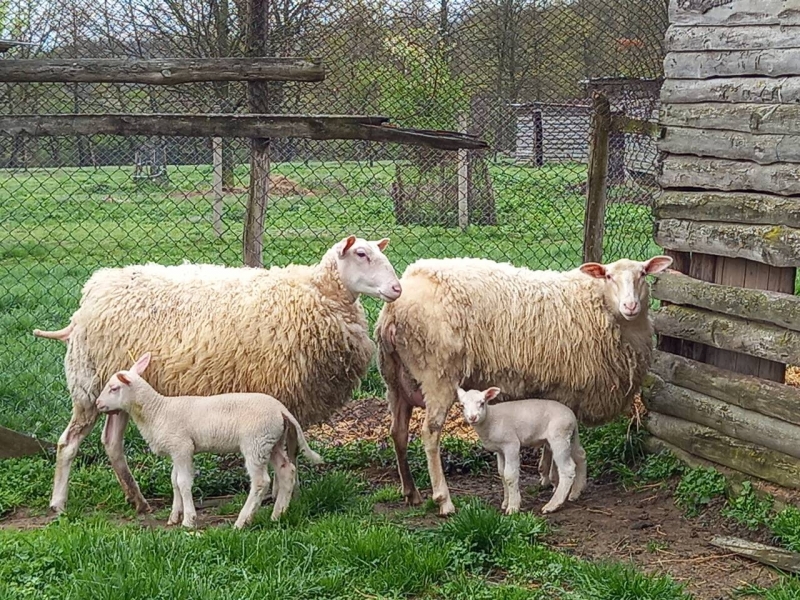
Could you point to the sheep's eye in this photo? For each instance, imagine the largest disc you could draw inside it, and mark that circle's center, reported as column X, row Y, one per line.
column 609, row 277
column 361, row 253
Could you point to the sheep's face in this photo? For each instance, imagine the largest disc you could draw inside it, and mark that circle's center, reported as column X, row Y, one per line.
column 473, row 403
column 118, row 395
column 626, row 288
column 364, row 269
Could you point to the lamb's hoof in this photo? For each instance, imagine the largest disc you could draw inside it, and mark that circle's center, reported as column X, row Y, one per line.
column 544, row 482
column 511, row 510
column 143, row 508
column 190, row 523
column 241, row 524
column 414, row 498
column 549, row 508
column 446, row 508
column 504, row 505
column 57, row 509
column 174, row 519
column 574, row 496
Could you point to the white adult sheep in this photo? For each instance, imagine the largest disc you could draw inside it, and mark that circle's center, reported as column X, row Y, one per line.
column 298, row 333
column 181, row 426
column 582, row 337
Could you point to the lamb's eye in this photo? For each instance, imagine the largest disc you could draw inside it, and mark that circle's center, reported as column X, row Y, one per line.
column 609, row 277
column 361, row 253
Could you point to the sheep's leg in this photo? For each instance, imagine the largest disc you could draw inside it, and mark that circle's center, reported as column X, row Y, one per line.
column 113, row 441
column 436, row 406
column 84, row 416
column 285, row 472
column 177, row 502
column 259, row 482
column 511, row 477
column 401, row 415
column 562, row 457
column 579, row 456
column 184, row 464
column 501, row 468
column 545, row 466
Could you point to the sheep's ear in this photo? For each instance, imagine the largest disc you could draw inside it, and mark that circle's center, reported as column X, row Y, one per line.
column 657, row 264
column 346, row 244
column 383, row 243
column 491, row 393
column 593, row 269
column 123, row 378
column 140, row 365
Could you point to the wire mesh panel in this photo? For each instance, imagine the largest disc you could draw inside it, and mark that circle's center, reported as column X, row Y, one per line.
column 516, row 72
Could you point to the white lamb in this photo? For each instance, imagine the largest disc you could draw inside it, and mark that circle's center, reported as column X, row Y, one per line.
column 506, row 427
column 582, row 337
column 297, row 332
column 181, row 426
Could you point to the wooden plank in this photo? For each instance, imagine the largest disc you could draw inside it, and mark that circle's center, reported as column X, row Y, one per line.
column 680, row 263
column 315, row 127
column 729, row 175
column 729, row 207
column 779, row 558
column 731, row 271
column 752, row 37
column 778, row 119
column 734, row 12
column 594, row 217
column 761, row 90
column 756, row 277
column 722, row 449
column 729, row 419
column 729, row 333
column 702, row 267
column 734, row 63
column 624, row 124
column 757, row 304
column 161, row 71
column 15, row 445
column 734, row 145
column 775, row 245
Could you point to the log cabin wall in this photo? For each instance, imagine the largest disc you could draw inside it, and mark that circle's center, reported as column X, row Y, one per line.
column 729, row 214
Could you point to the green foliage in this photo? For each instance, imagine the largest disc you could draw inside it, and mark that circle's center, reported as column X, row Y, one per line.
column 610, row 451
column 786, row 527
column 748, row 508
column 698, row 488
column 659, row 467
column 612, row 581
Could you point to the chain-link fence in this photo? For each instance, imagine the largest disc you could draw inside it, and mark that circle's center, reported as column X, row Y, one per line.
column 518, row 73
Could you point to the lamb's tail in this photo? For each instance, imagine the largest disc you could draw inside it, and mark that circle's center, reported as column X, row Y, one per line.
column 313, row 457
column 61, row 334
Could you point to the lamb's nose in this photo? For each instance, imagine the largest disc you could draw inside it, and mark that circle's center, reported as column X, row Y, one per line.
column 397, row 289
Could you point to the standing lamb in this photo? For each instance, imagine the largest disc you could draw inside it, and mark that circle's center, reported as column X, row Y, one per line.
column 297, row 332
column 582, row 337
column 181, row 426
column 506, row 427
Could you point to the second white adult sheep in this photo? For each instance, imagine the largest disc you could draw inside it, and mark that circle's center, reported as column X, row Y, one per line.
column 181, row 426
column 582, row 337
column 297, row 332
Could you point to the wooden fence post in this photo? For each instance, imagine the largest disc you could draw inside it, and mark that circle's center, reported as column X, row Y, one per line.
column 594, row 219
column 216, row 185
column 463, row 178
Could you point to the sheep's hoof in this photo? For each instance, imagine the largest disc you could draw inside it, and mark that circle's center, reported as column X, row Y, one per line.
column 57, row 509
column 414, row 498
column 446, row 508
column 143, row 508
column 510, row 510
column 174, row 519
column 190, row 523
column 574, row 496
column 548, row 508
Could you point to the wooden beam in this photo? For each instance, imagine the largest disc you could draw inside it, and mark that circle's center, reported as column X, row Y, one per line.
column 729, row 419
column 625, row 124
column 729, row 333
column 734, row 145
column 15, row 445
column 778, row 309
column 722, row 449
column 734, row 63
column 732, row 13
column 161, row 71
column 778, row 119
column 594, row 217
column 706, row 38
column 729, row 175
column 780, row 558
column 316, row 127
column 775, row 245
column 728, row 207
column 763, row 90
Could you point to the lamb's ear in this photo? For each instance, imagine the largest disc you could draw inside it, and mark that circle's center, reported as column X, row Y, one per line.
column 593, row 269
column 140, row 365
column 123, row 378
column 657, row 264
column 491, row 393
column 460, row 393
column 346, row 243
column 383, row 243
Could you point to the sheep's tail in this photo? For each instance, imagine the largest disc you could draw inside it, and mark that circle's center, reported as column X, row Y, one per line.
column 61, row 334
column 313, row 457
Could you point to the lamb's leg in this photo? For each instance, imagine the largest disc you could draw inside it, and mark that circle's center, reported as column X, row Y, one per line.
column 285, row 472
column 562, row 457
column 501, row 468
column 401, row 415
column 113, row 441
column 579, row 456
column 177, row 502
column 545, row 464
column 184, row 464
column 511, row 477
column 437, row 402
column 259, row 481
column 84, row 416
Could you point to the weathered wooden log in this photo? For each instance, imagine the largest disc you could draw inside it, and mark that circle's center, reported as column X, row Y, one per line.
column 729, row 207
column 732, row 420
column 764, row 90
column 779, row 558
column 594, row 218
column 161, row 71
column 15, row 445
column 733, row 13
column 728, row 175
column 775, row 245
column 733, row 63
column 778, row 119
column 753, row 393
column 729, row 333
column 734, row 145
column 315, row 127
column 754, row 37
column 625, row 124
column 756, row 305
column 722, row 449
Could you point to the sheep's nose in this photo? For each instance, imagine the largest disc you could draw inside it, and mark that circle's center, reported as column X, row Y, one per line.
column 397, row 289
column 631, row 306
